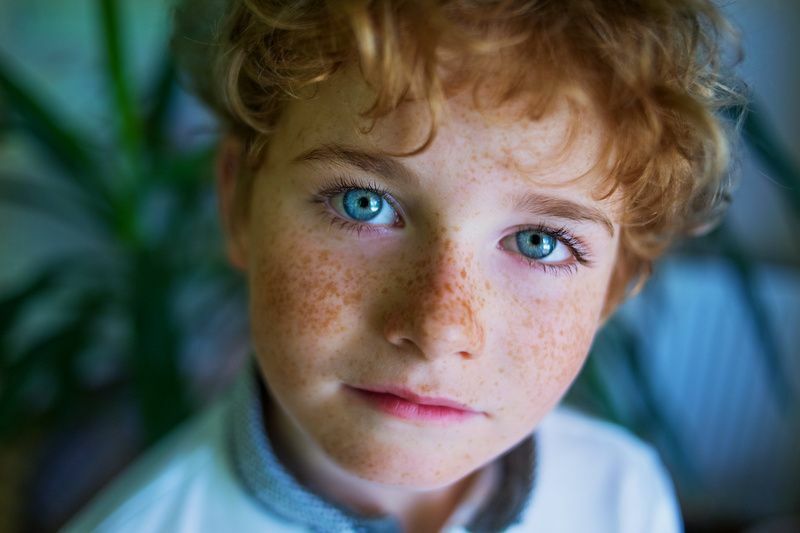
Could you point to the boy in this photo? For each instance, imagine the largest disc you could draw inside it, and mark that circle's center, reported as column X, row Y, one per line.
column 436, row 207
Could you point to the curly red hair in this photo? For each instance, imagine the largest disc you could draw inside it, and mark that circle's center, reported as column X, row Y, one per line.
column 653, row 69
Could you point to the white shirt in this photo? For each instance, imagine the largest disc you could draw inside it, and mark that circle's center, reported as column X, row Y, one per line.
column 590, row 477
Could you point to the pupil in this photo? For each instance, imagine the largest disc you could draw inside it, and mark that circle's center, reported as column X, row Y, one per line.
column 361, row 205
column 536, row 240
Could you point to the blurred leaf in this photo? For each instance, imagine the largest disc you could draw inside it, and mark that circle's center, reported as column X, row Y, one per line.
column 653, row 420
column 5, row 119
column 757, row 133
column 154, row 210
column 53, row 355
column 129, row 128
column 156, row 347
column 192, row 171
column 49, row 201
column 772, row 357
column 759, row 136
column 590, row 392
column 614, row 361
column 65, row 147
column 162, row 97
column 13, row 303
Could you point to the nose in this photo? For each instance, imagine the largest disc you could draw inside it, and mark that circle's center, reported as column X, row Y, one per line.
column 439, row 311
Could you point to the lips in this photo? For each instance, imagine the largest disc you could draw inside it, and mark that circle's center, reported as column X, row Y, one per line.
column 405, row 404
column 418, row 399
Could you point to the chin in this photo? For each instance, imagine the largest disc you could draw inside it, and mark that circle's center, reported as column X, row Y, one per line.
column 399, row 466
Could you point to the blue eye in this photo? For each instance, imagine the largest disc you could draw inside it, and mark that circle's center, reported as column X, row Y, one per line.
column 536, row 244
column 364, row 205
column 545, row 246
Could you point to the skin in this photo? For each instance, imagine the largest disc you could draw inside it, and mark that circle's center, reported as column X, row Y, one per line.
column 444, row 305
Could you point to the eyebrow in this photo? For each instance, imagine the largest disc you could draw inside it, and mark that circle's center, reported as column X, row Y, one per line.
column 540, row 204
column 373, row 163
column 387, row 167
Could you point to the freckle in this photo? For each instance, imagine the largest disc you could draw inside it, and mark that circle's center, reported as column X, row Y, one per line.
column 463, row 273
column 487, row 285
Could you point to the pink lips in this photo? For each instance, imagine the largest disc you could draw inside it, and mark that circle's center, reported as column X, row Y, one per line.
column 405, row 404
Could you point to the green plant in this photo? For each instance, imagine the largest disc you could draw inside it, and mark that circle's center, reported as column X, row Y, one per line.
column 150, row 211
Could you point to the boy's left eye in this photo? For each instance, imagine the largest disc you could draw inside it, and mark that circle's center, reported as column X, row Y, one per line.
column 540, row 245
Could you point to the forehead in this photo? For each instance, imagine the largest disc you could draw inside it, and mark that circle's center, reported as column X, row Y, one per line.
column 556, row 151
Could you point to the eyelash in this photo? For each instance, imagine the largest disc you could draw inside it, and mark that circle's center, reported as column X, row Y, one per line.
column 340, row 184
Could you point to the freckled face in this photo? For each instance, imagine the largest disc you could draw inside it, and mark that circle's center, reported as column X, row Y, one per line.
column 442, row 299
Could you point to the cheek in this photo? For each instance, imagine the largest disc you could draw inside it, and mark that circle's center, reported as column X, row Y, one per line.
column 547, row 343
column 301, row 296
column 294, row 291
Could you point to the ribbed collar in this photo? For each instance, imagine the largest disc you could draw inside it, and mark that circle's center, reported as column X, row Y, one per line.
column 275, row 488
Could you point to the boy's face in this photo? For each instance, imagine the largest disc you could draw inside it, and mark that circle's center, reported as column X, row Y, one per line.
column 439, row 299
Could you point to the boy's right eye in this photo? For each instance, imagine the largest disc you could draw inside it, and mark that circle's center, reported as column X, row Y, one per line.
column 359, row 207
column 365, row 205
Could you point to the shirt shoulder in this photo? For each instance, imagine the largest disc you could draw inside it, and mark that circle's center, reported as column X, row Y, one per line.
column 595, row 476
column 183, row 484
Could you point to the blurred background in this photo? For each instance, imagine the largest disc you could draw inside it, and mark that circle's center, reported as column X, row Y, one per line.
column 118, row 317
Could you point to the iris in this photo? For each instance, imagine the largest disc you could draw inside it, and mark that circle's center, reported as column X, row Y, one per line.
column 362, row 204
column 536, row 244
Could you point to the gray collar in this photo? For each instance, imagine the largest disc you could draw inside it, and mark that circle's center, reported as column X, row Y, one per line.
column 275, row 488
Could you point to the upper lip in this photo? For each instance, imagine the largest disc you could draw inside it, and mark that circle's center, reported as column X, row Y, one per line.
column 411, row 396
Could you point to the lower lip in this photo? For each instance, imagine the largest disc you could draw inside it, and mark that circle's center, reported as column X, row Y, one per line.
column 401, row 408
